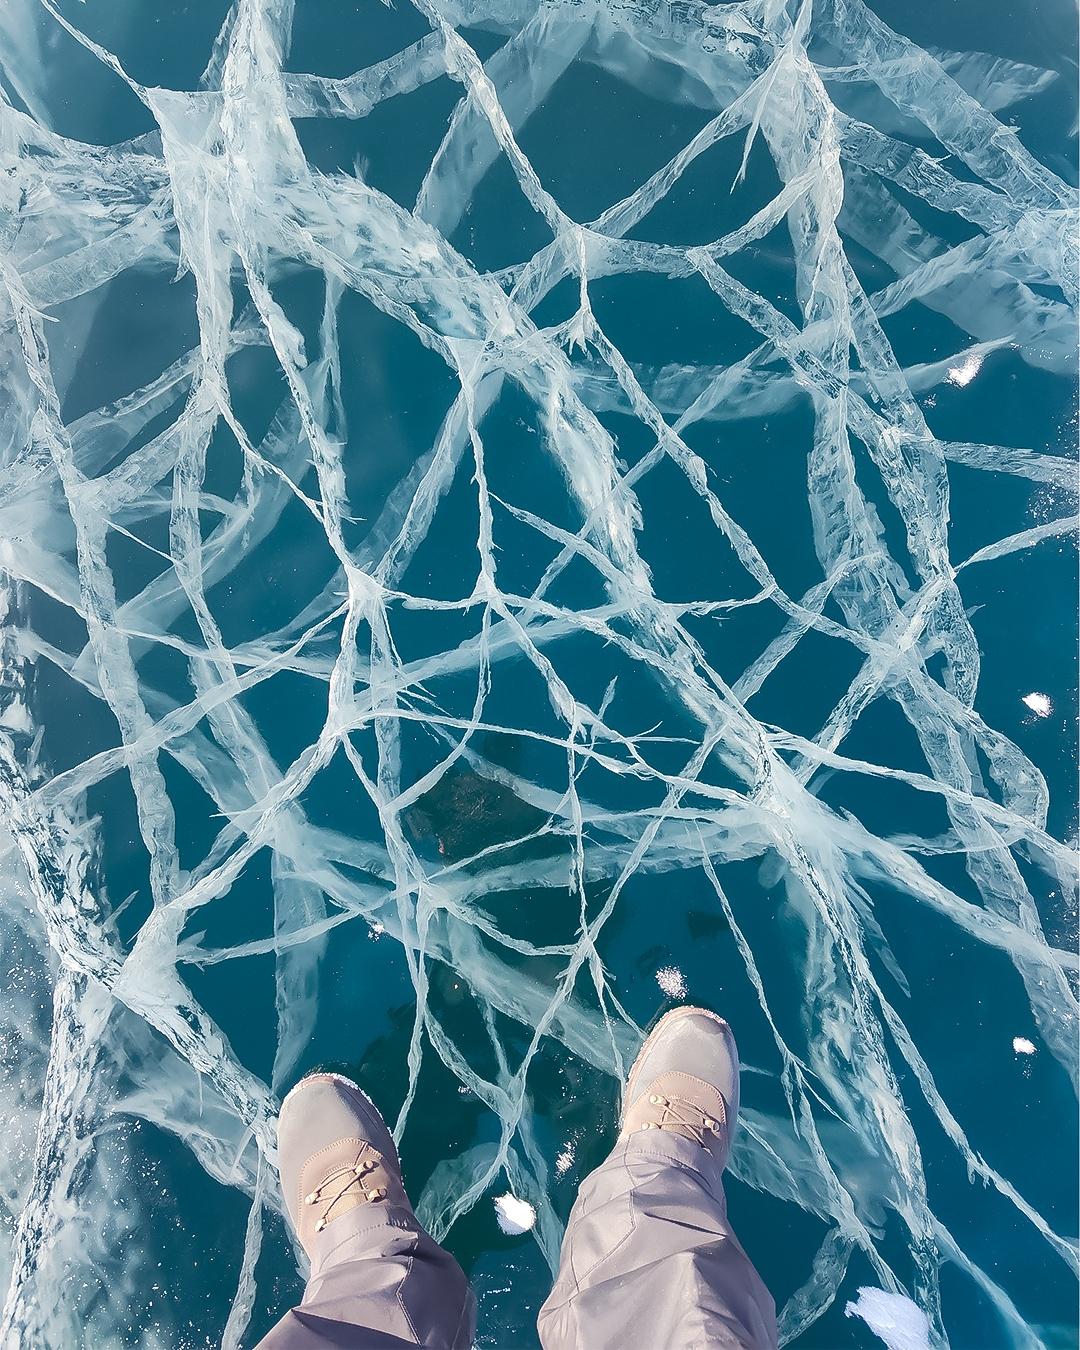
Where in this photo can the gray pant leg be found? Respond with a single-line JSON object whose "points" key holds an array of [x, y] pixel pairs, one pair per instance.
{"points": [[650, 1262], [379, 1281]]}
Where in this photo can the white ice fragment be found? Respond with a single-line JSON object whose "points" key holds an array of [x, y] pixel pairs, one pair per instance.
{"points": [[891, 437], [1040, 704], [672, 981], [966, 371], [565, 1160], [895, 1319], [514, 1215], [16, 717], [1023, 1046]]}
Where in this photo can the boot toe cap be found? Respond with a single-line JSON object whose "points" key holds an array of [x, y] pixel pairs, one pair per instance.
{"points": [[690, 1041], [321, 1110]]}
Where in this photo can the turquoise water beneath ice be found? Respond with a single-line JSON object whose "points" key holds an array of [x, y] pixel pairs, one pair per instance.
{"points": [[481, 633]]}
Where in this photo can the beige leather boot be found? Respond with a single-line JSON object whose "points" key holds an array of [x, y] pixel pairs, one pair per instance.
{"points": [[334, 1153], [686, 1081]]}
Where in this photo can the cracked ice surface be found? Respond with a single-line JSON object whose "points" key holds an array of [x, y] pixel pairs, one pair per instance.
{"points": [[485, 666]]}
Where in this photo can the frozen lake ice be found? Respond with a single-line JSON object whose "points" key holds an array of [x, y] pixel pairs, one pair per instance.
{"points": [[512, 516]]}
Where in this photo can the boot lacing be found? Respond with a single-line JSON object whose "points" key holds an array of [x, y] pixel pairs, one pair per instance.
{"points": [[351, 1176], [674, 1112]]}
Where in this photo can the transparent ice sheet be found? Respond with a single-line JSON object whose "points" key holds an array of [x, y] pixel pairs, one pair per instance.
{"points": [[458, 607]]}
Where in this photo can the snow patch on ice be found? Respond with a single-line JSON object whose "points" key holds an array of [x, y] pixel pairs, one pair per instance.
{"points": [[672, 981], [895, 1319], [962, 374], [514, 1215]]}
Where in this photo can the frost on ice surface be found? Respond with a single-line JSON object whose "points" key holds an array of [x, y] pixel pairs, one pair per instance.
{"points": [[514, 1215], [1040, 704], [1022, 1046], [962, 374], [424, 544], [564, 1160], [892, 1317], [672, 981]]}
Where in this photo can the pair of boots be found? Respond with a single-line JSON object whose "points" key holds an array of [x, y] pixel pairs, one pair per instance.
{"points": [[648, 1259]]}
